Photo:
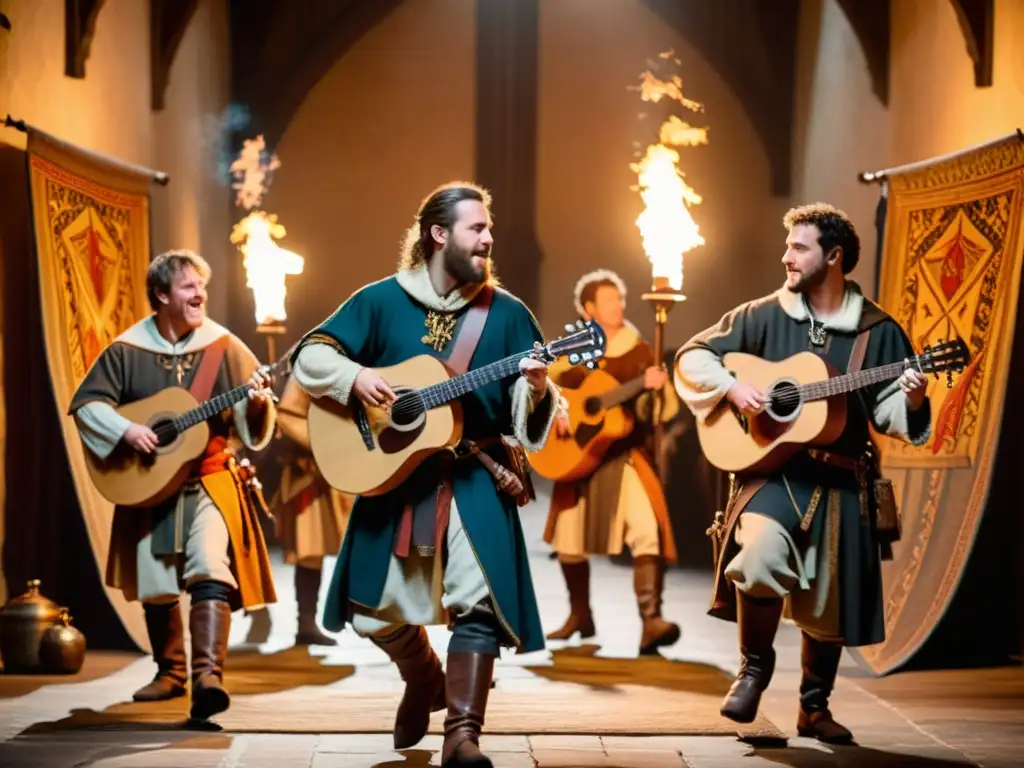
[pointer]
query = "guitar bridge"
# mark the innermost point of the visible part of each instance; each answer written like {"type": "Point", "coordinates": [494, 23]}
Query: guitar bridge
{"type": "Point", "coordinates": [741, 418]}
{"type": "Point", "coordinates": [364, 427]}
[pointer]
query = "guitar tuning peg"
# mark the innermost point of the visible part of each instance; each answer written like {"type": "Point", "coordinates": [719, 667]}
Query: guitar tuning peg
{"type": "Point", "coordinates": [949, 379]}
{"type": "Point", "coordinates": [569, 327]}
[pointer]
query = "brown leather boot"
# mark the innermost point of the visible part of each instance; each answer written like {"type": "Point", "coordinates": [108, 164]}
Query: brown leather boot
{"type": "Point", "coordinates": [469, 682]}
{"type": "Point", "coordinates": [307, 591]}
{"type": "Point", "coordinates": [820, 662]}
{"type": "Point", "coordinates": [577, 580]}
{"type": "Point", "coordinates": [758, 621]}
{"type": "Point", "coordinates": [167, 637]}
{"type": "Point", "coordinates": [424, 679]}
{"type": "Point", "coordinates": [648, 582]}
{"type": "Point", "coordinates": [209, 622]}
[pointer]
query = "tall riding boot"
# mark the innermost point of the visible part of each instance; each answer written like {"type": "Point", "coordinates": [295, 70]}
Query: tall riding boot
{"type": "Point", "coordinates": [469, 682]}
{"type": "Point", "coordinates": [259, 629]}
{"type": "Point", "coordinates": [307, 590]}
{"type": "Point", "coordinates": [210, 623]}
{"type": "Point", "coordinates": [648, 582]}
{"type": "Point", "coordinates": [577, 580]}
{"type": "Point", "coordinates": [758, 621]}
{"type": "Point", "coordinates": [424, 677]}
{"type": "Point", "coordinates": [167, 636]}
{"type": "Point", "coordinates": [820, 662]}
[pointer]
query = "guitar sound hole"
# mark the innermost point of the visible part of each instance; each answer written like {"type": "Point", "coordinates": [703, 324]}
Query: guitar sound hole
{"type": "Point", "coordinates": [592, 405]}
{"type": "Point", "coordinates": [165, 432]}
{"type": "Point", "coordinates": [406, 409]}
{"type": "Point", "coordinates": [783, 400]}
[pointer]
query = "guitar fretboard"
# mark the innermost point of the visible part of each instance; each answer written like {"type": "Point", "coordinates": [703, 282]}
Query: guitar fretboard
{"type": "Point", "coordinates": [210, 408]}
{"type": "Point", "coordinates": [446, 391]}
{"type": "Point", "coordinates": [849, 382]}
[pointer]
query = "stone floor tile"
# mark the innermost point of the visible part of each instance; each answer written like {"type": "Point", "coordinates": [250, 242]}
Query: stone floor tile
{"type": "Point", "coordinates": [556, 741]}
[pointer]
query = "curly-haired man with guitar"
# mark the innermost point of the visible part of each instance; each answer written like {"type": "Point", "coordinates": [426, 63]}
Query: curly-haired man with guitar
{"type": "Point", "coordinates": [610, 496]}
{"type": "Point", "coordinates": [441, 542]}
{"type": "Point", "coordinates": [808, 520]}
{"type": "Point", "coordinates": [198, 529]}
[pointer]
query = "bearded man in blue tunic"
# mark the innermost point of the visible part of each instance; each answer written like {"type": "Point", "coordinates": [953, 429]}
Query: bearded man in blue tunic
{"type": "Point", "coordinates": [390, 580]}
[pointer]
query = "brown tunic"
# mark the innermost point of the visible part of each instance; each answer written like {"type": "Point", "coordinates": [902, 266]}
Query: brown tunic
{"type": "Point", "coordinates": [602, 489]}
{"type": "Point", "coordinates": [126, 372]}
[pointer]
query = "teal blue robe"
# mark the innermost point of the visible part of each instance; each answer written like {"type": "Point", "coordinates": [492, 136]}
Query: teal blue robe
{"type": "Point", "coordinates": [382, 325]}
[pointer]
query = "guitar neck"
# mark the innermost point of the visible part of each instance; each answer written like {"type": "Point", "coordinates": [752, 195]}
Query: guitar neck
{"type": "Point", "coordinates": [849, 382]}
{"type": "Point", "coordinates": [211, 407]}
{"type": "Point", "coordinates": [456, 387]}
{"type": "Point", "coordinates": [623, 392]}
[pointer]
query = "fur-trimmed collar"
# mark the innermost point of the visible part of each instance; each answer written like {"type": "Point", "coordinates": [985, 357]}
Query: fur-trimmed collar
{"type": "Point", "coordinates": [416, 282]}
{"type": "Point", "coordinates": [846, 320]}
{"type": "Point", "coordinates": [627, 337]}
{"type": "Point", "coordinates": [145, 335]}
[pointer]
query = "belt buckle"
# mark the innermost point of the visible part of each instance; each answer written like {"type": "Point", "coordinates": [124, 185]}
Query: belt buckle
{"type": "Point", "coordinates": [425, 550]}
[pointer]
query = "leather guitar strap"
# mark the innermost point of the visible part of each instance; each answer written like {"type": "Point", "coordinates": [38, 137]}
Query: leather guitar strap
{"type": "Point", "coordinates": [860, 346]}
{"type": "Point", "coordinates": [418, 527]}
{"type": "Point", "coordinates": [206, 376]}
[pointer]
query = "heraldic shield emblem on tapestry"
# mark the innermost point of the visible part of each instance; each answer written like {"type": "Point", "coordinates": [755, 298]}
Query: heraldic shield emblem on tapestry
{"type": "Point", "coordinates": [951, 267]}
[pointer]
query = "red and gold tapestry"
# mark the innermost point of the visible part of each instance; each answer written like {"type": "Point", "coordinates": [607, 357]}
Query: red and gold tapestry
{"type": "Point", "coordinates": [91, 227]}
{"type": "Point", "coordinates": [951, 267]}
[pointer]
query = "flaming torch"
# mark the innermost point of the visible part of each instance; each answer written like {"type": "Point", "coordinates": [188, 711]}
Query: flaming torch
{"type": "Point", "coordinates": [666, 227]}
{"type": "Point", "coordinates": [266, 263]}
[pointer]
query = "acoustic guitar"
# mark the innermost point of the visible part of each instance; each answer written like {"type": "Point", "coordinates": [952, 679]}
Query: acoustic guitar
{"type": "Point", "coordinates": [596, 420]}
{"type": "Point", "coordinates": [368, 451]}
{"type": "Point", "coordinates": [132, 479]}
{"type": "Point", "coordinates": [806, 405]}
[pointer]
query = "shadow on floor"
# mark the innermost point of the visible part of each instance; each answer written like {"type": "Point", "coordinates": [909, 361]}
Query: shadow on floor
{"type": "Point", "coordinates": [97, 664]}
{"type": "Point", "coordinates": [67, 750]}
{"type": "Point", "coordinates": [852, 756]}
{"type": "Point", "coordinates": [246, 674]}
{"type": "Point", "coordinates": [582, 666]}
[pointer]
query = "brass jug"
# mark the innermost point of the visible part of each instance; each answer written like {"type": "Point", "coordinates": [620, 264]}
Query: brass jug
{"type": "Point", "coordinates": [23, 621]}
{"type": "Point", "coordinates": [62, 649]}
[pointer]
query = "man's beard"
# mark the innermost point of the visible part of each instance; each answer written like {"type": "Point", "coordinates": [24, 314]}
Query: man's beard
{"type": "Point", "coordinates": [811, 279]}
{"type": "Point", "coordinates": [459, 264]}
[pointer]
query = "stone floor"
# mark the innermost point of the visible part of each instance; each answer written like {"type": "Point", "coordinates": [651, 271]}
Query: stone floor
{"type": "Point", "coordinates": [922, 720]}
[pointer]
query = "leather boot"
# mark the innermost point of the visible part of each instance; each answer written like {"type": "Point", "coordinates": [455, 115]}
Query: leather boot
{"type": "Point", "coordinates": [648, 582]}
{"type": "Point", "coordinates": [469, 682]}
{"type": "Point", "coordinates": [820, 663]}
{"type": "Point", "coordinates": [758, 621]}
{"type": "Point", "coordinates": [307, 590]}
{"type": "Point", "coordinates": [210, 623]}
{"type": "Point", "coordinates": [577, 580]}
{"type": "Point", "coordinates": [259, 629]}
{"type": "Point", "coordinates": [424, 677]}
{"type": "Point", "coordinates": [167, 637]}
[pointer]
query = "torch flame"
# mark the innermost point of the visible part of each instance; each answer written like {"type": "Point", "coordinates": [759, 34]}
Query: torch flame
{"type": "Point", "coordinates": [666, 226]}
{"type": "Point", "coordinates": [266, 263]}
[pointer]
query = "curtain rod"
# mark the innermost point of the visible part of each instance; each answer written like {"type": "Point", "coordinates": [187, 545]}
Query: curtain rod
{"type": "Point", "coordinates": [159, 177]}
{"type": "Point", "coordinates": [869, 177]}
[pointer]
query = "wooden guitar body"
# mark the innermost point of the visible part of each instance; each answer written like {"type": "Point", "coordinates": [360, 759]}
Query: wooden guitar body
{"type": "Point", "coordinates": [764, 442]}
{"type": "Point", "coordinates": [340, 447]}
{"type": "Point", "coordinates": [132, 479]}
{"type": "Point", "coordinates": [592, 431]}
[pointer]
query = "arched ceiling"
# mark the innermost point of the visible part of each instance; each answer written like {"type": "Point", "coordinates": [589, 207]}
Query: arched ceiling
{"type": "Point", "coordinates": [280, 50]}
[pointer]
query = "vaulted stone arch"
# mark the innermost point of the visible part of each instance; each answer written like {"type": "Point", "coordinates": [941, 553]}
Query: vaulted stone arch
{"type": "Point", "coordinates": [280, 50]}
{"type": "Point", "coordinates": [752, 45]}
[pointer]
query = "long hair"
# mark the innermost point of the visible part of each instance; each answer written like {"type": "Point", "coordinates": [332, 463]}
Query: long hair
{"type": "Point", "coordinates": [437, 208]}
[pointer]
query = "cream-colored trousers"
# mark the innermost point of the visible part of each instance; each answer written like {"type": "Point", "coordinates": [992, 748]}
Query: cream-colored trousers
{"type": "Point", "coordinates": [207, 557]}
{"type": "Point", "coordinates": [419, 591]}
{"type": "Point", "coordinates": [634, 524]}
{"type": "Point", "coordinates": [769, 564]}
